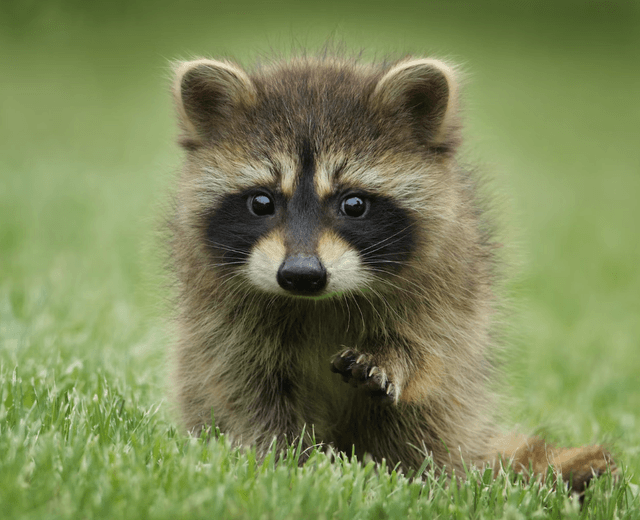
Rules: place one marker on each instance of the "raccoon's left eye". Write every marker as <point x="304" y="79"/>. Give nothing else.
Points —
<point x="354" y="206"/>
<point x="261" y="205"/>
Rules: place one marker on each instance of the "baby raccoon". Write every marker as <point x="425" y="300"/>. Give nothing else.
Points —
<point x="324" y="234"/>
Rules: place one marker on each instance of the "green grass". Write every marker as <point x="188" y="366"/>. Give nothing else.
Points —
<point x="87" y="159"/>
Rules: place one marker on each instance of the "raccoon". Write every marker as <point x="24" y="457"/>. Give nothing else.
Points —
<point x="335" y="269"/>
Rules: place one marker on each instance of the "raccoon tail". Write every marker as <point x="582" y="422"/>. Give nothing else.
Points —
<point x="532" y="456"/>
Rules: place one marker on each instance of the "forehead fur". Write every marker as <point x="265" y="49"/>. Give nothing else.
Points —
<point x="328" y="104"/>
<point x="325" y="102"/>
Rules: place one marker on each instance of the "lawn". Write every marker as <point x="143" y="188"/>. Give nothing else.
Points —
<point x="87" y="160"/>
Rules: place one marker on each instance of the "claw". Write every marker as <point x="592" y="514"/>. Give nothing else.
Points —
<point x="355" y="370"/>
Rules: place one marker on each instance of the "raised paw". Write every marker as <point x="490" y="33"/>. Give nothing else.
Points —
<point x="357" y="370"/>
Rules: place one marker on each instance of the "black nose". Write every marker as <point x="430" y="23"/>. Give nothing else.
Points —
<point x="303" y="274"/>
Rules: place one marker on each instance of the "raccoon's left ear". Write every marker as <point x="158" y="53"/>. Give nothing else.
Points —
<point x="208" y="94"/>
<point x="425" y="91"/>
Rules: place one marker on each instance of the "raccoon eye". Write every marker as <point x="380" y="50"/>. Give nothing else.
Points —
<point x="354" y="206"/>
<point x="261" y="205"/>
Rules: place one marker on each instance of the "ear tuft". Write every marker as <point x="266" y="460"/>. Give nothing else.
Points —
<point x="425" y="90"/>
<point x="207" y="94"/>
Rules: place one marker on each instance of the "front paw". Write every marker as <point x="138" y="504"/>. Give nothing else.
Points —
<point x="357" y="370"/>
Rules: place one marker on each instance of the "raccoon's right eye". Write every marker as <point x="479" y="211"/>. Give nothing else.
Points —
<point x="261" y="205"/>
<point x="354" y="206"/>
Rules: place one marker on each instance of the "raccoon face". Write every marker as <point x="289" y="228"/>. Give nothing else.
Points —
<point x="298" y="169"/>
<point x="305" y="244"/>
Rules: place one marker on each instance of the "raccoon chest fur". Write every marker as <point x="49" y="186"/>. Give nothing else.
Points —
<point x="284" y="363"/>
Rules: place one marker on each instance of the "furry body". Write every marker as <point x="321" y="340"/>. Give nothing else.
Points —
<point x="324" y="232"/>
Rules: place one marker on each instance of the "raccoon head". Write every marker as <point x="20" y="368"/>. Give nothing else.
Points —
<point x="314" y="177"/>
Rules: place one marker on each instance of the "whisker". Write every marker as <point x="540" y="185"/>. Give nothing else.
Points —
<point x="224" y="264"/>
<point x="372" y="304"/>
<point x="381" y="246"/>
<point x="376" y="261"/>
<point x="226" y="248"/>
<point x="386" y="254"/>
<point x="230" y="279"/>
<point x="346" y="304"/>
<point x="386" y="239"/>
<point x="355" y="301"/>
<point x="421" y="289"/>
<point x="388" y="305"/>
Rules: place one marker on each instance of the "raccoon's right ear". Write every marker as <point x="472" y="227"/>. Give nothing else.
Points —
<point x="424" y="93"/>
<point x="207" y="93"/>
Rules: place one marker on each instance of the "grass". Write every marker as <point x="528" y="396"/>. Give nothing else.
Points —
<point x="86" y="428"/>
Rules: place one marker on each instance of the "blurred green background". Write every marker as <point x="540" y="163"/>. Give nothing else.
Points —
<point x="552" y="118"/>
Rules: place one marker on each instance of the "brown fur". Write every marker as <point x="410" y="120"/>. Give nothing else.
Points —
<point x="420" y="338"/>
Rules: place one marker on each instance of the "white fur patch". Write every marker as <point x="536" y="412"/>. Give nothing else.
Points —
<point x="345" y="272"/>
<point x="264" y="261"/>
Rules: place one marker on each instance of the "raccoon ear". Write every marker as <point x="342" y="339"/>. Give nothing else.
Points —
<point x="207" y="93"/>
<point x="425" y="90"/>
